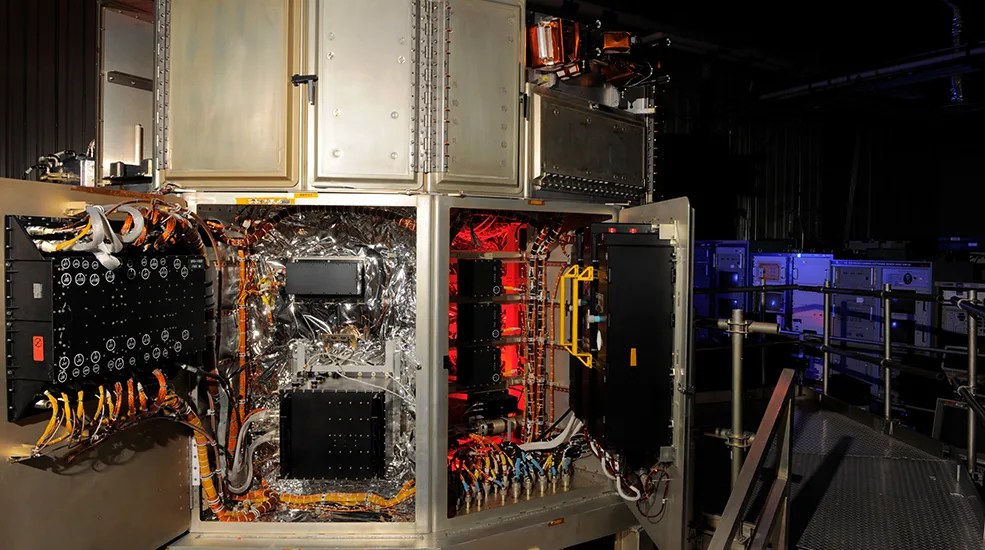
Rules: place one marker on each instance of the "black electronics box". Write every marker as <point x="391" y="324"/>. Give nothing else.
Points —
<point x="625" y="397"/>
<point x="480" y="278"/>
<point x="325" y="277"/>
<point x="327" y="434"/>
<point x="478" y="367"/>
<point x="479" y="323"/>
<point x="72" y="321"/>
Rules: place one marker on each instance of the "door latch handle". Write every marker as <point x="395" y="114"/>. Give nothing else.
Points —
<point x="308" y="80"/>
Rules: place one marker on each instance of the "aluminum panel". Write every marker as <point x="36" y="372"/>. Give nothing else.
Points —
<point x="479" y="152"/>
<point x="808" y="307"/>
<point x="365" y="120"/>
<point x="396" y="534"/>
<point x="579" y="147"/>
<point x="233" y="117"/>
<point x="676" y="220"/>
<point x="127" y="47"/>
<point x="98" y="501"/>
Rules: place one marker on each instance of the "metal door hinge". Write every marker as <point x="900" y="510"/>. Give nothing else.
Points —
<point x="309" y="80"/>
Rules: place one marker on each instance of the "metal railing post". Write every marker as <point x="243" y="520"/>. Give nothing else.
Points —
<point x="773" y="521"/>
<point x="887" y="352"/>
<point x="738" y="333"/>
<point x="972" y="382"/>
<point x="826" y="369"/>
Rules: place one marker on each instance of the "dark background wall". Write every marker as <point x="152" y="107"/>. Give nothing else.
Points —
<point x="784" y="170"/>
<point x="48" y="72"/>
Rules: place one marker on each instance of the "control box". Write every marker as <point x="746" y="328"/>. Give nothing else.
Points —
<point x="631" y="347"/>
<point x="72" y="321"/>
<point x="859" y="319"/>
<point x="952" y="321"/>
<point x="718" y="266"/>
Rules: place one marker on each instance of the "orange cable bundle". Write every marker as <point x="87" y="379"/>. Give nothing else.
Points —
<point x="351" y="499"/>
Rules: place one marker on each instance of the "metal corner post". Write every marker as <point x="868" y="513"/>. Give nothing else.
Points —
<point x="887" y="352"/>
<point x="972" y="382"/>
<point x="826" y="369"/>
<point x="738" y="332"/>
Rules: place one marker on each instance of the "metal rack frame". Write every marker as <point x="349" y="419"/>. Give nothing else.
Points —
<point x="591" y="509"/>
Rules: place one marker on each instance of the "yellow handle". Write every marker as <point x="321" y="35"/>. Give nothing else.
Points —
<point x="573" y="275"/>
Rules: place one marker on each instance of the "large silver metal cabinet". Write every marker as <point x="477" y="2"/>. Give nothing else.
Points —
<point x="591" y="509"/>
<point x="476" y="128"/>
<point x="365" y="118"/>
<point x="401" y="533"/>
<point x="231" y="117"/>
<point x="411" y="95"/>
<point x="576" y="146"/>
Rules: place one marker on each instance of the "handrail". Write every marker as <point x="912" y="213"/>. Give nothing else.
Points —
<point x="573" y="275"/>
<point x="969" y="305"/>
<point x="895" y="294"/>
<point x="773" y="522"/>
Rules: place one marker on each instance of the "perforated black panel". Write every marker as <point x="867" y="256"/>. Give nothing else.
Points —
<point x="73" y="321"/>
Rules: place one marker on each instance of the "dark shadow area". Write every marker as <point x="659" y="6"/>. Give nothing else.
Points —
<point x="812" y="490"/>
<point x="116" y="449"/>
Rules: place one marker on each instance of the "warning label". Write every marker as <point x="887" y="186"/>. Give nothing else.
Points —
<point x="38" y="343"/>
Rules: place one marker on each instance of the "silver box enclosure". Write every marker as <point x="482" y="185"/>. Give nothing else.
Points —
<point x="576" y="146"/>
<point x="414" y="96"/>
<point x="582" y="514"/>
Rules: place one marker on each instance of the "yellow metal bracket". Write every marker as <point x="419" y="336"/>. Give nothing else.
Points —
<point x="572" y="276"/>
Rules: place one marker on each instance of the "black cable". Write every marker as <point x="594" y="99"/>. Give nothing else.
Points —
<point x="543" y="436"/>
<point x="972" y="401"/>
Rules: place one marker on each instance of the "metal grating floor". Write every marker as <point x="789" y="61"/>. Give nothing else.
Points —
<point x="856" y="488"/>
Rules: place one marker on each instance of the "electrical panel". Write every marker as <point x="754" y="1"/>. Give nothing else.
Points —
<point x="952" y="321"/>
<point x="718" y="266"/>
<point x="628" y="376"/>
<point x="859" y="319"/>
<point x="74" y="322"/>
<point x="807" y="312"/>
<point x="773" y="269"/>
<point x="794" y="310"/>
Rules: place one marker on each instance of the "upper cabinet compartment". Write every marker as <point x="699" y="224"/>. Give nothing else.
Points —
<point x="476" y="134"/>
<point x="365" y="131"/>
<point x="231" y="114"/>
<point x="579" y="147"/>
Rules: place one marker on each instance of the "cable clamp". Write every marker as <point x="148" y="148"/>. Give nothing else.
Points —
<point x="743" y="441"/>
<point x="738" y="328"/>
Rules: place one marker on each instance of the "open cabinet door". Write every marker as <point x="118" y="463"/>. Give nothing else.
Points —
<point x="132" y="491"/>
<point x="675" y="220"/>
<point x="231" y="115"/>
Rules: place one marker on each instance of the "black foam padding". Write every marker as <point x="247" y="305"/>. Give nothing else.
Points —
<point x="328" y="434"/>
